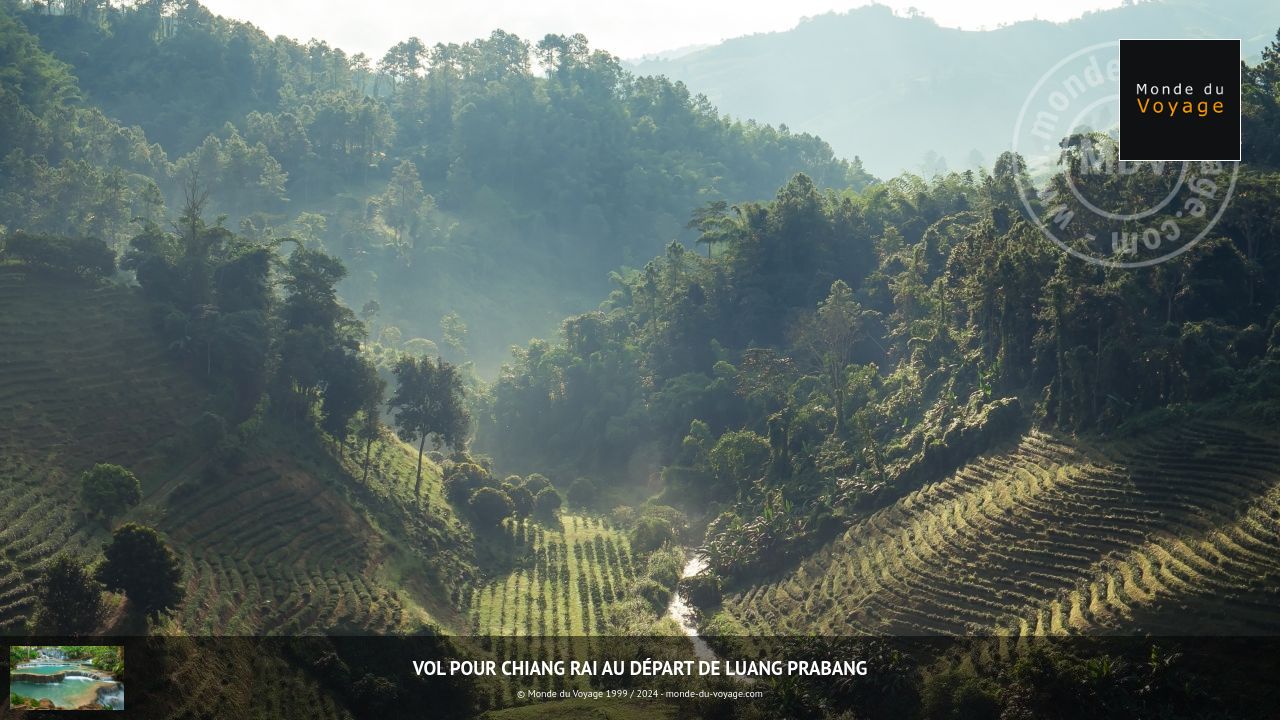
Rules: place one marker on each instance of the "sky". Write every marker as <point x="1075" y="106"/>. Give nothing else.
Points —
<point x="629" y="29"/>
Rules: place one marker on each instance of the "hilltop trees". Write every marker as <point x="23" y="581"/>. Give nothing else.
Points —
<point x="838" y="348"/>
<point x="463" y="151"/>
<point x="140" y="564"/>
<point x="320" y="360"/>
<point x="241" y="175"/>
<point x="213" y="292"/>
<point x="67" y="170"/>
<point x="428" y="403"/>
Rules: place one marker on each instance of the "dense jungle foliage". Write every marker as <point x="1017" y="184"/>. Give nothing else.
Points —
<point x="463" y="185"/>
<point x="833" y="349"/>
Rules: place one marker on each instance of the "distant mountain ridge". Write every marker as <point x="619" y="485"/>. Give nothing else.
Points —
<point x="933" y="88"/>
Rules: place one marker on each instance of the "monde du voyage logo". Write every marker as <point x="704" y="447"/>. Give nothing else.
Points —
<point x="1132" y="148"/>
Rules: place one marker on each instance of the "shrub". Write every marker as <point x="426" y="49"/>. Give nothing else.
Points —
<point x="463" y="479"/>
<point x="374" y="693"/>
<point x="678" y="520"/>
<point x="703" y="590"/>
<point x="651" y="533"/>
<point x="665" y="567"/>
<point x="183" y="493"/>
<point x="738" y="458"/>
<point x="109" y="490"/>
<point x="654" y="593"/>
<point x="623" y="516"/>
<point x="583" y="492"/>
<point x="232" y="452"/>
<point x="209" y="430"/>
<point x="522" y="499"/>
<point x="490" y="506"/>
<point x="956" y="695"/>
<point x="82" y="257"/>
<point x="548" y="502"/>
<point x="536" y="483"/>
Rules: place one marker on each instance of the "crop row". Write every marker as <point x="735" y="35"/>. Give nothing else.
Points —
<point x="1048" y="539"/>
<point x="569" y="576"/>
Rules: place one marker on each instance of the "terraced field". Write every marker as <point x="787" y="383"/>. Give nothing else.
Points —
<point x="281" y="546"/>
<point x="67" y="400"/>
<point x="233" y="678"/>
<point x="1177" y="533"/>
<point x="562" y="591"/>
<point x="553" y="605"/>
<point x="274" y="552"/>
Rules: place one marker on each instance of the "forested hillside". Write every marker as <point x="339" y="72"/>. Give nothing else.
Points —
<point x="833" y="351"/>
<point x="419" y="168"/>
<point x="250" y="290"/>
<point x="271" y="533"/>
<point x="938" y="97"/>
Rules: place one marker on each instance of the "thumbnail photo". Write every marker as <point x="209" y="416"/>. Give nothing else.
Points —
<point x="66" y="677"/>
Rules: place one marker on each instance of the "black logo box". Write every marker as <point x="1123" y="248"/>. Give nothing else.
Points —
<point x="1185" y="64"/>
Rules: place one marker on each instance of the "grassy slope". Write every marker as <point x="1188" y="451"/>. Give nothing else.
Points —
<point x="1174" y="532"/>
<point x="291" y="541"/>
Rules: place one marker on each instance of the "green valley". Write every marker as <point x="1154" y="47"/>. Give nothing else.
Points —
<point x="320" y="370"/>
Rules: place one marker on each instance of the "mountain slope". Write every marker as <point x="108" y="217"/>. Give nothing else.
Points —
<point x="474" y="189"/>
<point x="67" y="407"/>
<point x="933" y="88"/>
<point x="289" y="541"/>
<point x="1173" y="533"/>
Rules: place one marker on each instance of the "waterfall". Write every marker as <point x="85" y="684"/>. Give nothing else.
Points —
<point x="112" y="696"/>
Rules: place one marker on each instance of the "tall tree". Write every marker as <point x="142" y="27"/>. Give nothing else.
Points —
<point x="352" y="384"/>
<point x="404" y="204"/>
<point x="829" y="336"/>
<point x="713" y="223"/>
<point x="320" y="342"/>
<point x="428" y="403"/>
<point x="140" y="564"/>
<point x="370" y="424"/>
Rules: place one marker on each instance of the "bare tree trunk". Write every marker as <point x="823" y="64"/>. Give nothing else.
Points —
<point x="417" y="485"/>
<point x="368" y="447"/>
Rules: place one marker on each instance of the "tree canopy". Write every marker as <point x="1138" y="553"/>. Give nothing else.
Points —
<point x="140" y="564"/>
